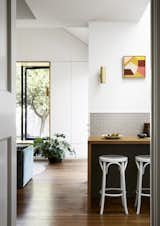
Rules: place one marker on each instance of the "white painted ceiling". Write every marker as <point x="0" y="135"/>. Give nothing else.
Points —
<point x="23" y="11"/>
<point x="80" y="12"/>
<point x="79" y="32"/>
<point x="74" y="15"/>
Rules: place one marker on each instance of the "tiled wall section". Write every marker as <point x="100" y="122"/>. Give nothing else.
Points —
<point x="127" y="124"/>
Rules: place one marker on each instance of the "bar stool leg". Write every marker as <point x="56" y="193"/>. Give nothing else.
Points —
<point x="124" y="202"/>
<point x="121" y="187"/>
<point x="136" y="200"/>
<point x="103" y="189"/>
<point x="139" y="188"/>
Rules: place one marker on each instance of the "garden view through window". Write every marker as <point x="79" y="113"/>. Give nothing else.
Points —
<point x="32" y="99"/>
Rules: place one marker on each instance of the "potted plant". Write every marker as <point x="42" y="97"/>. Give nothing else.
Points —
<point x="53" y="148"/>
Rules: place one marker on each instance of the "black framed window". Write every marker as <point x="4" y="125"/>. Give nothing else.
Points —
<point x="32" y="100"/>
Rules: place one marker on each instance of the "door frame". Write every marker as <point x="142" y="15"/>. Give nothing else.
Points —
<point x="155" y="144"/>
<point x="24" y="62"/>
<point x="12" y="159"/>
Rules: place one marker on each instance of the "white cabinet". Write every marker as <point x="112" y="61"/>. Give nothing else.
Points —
<point x="79" y="99"/>
<point x="70" y="103"/>
<point x="61" y="99"/>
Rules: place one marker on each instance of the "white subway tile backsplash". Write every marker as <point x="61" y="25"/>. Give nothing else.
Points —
<point x="127" y="124"/>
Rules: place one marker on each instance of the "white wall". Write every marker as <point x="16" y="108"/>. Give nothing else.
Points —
<point x="49" y="44"/>
<point x="108" y="43"/>
<point x="69" y="79"/>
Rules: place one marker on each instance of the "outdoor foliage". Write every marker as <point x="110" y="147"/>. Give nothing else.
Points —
<point x="37" y="100"/>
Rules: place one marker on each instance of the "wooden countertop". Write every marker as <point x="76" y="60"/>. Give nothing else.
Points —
<point x="122" y="140"/>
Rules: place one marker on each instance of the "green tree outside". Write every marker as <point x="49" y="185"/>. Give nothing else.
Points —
<point x="37" y="93"/>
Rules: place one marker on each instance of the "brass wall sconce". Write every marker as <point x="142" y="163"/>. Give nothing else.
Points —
<point x="102" y="75"/>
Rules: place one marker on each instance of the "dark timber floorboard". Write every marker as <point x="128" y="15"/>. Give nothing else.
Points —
<point x="58" y="197"/>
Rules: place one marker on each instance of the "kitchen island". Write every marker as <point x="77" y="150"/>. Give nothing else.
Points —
<point x="128" y="146"/>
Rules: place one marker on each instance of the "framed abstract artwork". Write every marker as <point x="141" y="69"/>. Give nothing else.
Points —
<point x="134" y="66"/>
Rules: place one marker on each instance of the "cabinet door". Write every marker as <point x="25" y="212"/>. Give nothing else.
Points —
<point x="79" y="119"/>
<point x="61" y="99"/>
<point x="7" y="115"/>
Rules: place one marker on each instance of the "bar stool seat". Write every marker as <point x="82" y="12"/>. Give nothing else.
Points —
<point x="142" y="161"/>
<point x="113" y="158"/>
<point x="105" y="162"/>
<point x="143" y="158"/>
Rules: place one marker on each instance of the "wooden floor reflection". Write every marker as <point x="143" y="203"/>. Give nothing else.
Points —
<point x="58" y="197"/>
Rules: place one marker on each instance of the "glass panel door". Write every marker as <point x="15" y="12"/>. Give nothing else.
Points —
<point x="33" y="95"/>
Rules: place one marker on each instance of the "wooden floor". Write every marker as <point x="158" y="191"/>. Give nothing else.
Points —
<point x="58" y="197"/>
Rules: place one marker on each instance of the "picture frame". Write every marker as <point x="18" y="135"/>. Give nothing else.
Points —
<point x="134" y="66"/>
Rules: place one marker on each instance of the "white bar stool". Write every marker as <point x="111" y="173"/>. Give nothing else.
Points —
<point x="105" y="162"/>
<point x="142" y="161"/>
